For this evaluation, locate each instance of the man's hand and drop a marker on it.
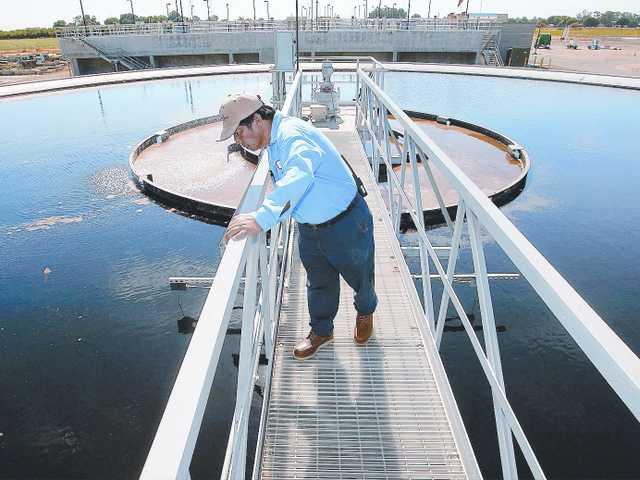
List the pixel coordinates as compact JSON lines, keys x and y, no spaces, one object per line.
{"x":241,"y":226}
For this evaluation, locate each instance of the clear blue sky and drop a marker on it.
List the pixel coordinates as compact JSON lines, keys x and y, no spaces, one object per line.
{"x":42,"y":13}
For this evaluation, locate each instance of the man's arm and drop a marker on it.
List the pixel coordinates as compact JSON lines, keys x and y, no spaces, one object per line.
{"x":298,"y":177}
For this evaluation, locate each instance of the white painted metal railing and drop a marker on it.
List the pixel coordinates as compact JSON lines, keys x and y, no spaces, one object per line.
{"x":615,"y":361}
{"x":322,"y":24}
{"x":265,"y":266}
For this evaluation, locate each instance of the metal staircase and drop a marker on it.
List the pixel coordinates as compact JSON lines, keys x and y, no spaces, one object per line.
{"x":117,"y":57}
{"x":491,"y":50}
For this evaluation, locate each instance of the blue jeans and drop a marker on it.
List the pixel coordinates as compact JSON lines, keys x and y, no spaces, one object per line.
{"x":344,"y":248}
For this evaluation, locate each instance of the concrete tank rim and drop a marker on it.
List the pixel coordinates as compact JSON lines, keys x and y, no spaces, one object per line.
{"x":580,"y":78}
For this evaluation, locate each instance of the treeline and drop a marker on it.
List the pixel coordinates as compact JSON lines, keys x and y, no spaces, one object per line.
{"x":587,"y":19}
{"x":27,"y":33}
{"x":128,"y":19}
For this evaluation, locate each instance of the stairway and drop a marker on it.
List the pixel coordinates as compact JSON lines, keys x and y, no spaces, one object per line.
{"x":116,"y":57}
{"x":491,"y":51}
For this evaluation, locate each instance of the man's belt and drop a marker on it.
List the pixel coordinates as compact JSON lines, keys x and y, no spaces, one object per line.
{"x":337,"y":217}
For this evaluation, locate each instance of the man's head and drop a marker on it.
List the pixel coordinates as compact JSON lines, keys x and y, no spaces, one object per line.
{"x":248,"y":119}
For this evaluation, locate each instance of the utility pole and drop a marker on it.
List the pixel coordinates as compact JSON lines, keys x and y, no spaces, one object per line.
{"x":297,"y":40}
{"x":429,"y":11}
{"x":268,"y":16}
{"x":84,"y":20}
{"x":208,"y":11}
{"x":133,"y":15}
{"x":192,"y":12}
{"x":254,"y":10}
{"x":409,"y":10}
{"x":168,"y":10}
{"x":227,"y":13}
{"x":466,"y":10}
{"x":366,"y":9}
{"x":380,"y":9}
{"x":181,"y":12}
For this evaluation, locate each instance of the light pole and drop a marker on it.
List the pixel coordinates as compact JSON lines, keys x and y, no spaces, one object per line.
{"x":84,"y":19}
{"x":409,"y":10}
{"x":254,"y":10}
{"x":268,"y":16}
{"x":208,"y":11}
{"x":393,"y":12}
{"x":133,"y":15}
{"x":168,"y":4}
{"x":227,"y":13}
{"x":192,"y":12}
{"x":429,"y":11}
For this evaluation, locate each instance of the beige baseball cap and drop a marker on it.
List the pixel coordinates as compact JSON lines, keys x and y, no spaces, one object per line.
{"x":235,"y":109}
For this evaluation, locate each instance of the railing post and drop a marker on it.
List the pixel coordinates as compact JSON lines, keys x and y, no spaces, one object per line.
{"x":505,"y":438}
{"x":427,"y":296}
{"x":245,"y":365}
{"x":451,"y":270}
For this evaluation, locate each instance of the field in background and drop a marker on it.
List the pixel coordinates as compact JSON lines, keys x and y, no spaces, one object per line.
{"x":29,"y":44}
{"x":595,"y":32}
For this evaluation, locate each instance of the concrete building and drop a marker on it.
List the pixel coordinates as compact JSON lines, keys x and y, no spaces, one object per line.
{"x":104,"y":49}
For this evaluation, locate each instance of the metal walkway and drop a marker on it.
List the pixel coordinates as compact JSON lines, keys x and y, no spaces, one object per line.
{"x":383,"y":410}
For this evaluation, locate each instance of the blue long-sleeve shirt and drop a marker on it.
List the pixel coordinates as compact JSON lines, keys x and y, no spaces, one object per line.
{"x":312,"y":182}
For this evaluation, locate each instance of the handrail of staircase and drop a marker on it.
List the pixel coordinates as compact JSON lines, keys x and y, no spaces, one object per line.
{"x":175,"y":440}
{"x":613,"y":359}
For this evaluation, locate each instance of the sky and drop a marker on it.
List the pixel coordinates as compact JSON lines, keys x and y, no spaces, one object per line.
{"x":42,"y":13}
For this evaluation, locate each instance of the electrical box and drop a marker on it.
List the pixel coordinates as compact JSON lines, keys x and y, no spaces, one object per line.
{"x":284,"y":52}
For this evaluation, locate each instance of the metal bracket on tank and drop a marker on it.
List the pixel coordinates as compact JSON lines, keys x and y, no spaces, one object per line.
{"x":162,"y":136}
{"x":515,"y":150}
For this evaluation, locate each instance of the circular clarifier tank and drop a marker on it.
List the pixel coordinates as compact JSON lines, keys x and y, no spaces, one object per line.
{"x":495,"y":163}
{"x":186,"y":168}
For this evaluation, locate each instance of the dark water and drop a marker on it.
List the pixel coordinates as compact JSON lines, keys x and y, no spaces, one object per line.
{"x":90,"y":350}
{"x":88,"y":336}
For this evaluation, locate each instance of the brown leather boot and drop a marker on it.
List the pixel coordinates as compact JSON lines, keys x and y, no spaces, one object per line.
{"x":308,"y":347}
{"x":364,"y":328}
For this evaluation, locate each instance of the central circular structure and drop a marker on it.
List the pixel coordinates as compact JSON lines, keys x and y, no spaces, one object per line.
{"x":184,"y":167}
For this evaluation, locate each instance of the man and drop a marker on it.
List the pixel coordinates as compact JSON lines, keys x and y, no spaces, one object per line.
{"x":315,"y":186}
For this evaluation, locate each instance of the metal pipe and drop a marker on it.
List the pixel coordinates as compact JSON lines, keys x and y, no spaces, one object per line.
{"x":84,"y":19}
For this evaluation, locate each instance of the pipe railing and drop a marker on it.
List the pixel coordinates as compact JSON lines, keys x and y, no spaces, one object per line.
{"x":321,"y":24}
{"x":613,"y":359}
{"x":265,"y":269}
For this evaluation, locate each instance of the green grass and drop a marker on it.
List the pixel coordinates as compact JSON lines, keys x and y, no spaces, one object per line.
{"x":29,"y":44}
{"x":595,"y":32}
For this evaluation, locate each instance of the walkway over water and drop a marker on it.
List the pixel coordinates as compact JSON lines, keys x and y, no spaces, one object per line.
{"x":383,"y":410}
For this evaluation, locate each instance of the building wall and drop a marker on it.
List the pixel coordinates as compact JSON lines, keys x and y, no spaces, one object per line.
{"x":516,"y":35}
{"x":182,"y":49}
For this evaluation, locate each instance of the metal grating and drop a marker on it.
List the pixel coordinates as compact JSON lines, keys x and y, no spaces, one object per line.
{"x":372,"y":411}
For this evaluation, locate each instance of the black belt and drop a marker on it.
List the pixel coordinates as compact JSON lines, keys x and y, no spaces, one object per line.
{"x":337,"y":217}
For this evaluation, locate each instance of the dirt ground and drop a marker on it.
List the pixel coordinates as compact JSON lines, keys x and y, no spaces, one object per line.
{"x":15,"y":79}
{"x":620,"y":56}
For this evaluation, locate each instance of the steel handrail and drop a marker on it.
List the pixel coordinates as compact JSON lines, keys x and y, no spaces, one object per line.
{"x":322,"y":24}
{"x":611,"y":356}
{"x":175,"y":440}
{"x":615,"y":361}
